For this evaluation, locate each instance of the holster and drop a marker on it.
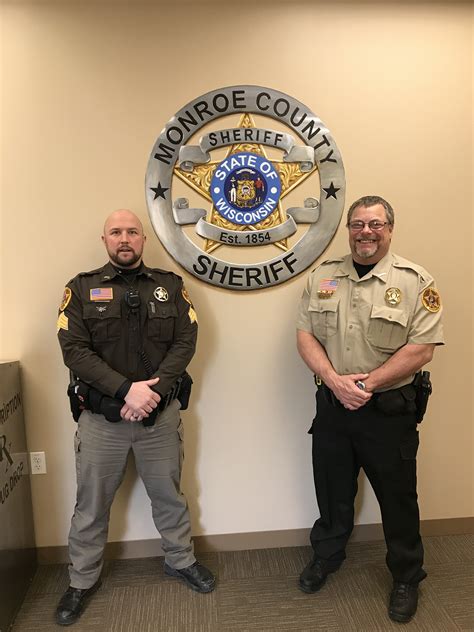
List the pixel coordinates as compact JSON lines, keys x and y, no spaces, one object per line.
{"x":184,"y":393}
{"x":84,"y":397}
{"x":423,"y":389}
{"x":78,"y":393}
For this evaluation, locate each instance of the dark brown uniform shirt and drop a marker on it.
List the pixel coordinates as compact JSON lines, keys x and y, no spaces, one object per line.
{"x":104,"y":342}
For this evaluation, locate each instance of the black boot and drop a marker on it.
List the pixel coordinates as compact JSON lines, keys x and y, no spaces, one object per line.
{"x":72,"y":603}
{"x":403,"y":602}
{"x":196,"y":576}
{"x":315,"y":574}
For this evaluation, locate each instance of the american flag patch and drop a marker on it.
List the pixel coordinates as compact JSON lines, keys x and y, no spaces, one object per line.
{"x":328,"y":285}
{"x":101,"y":294}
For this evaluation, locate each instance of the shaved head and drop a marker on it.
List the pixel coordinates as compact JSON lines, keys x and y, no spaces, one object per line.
{"x":124,"y":238}
{"x":121,"y":214}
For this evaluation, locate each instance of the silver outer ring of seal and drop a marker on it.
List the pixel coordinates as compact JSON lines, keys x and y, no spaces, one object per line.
{"x":264,"y":102}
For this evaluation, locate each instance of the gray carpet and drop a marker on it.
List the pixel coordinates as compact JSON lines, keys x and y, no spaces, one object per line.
{"x":257,"y":591}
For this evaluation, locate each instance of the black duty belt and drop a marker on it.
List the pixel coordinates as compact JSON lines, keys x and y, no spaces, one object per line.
{"x":85,"y":397}
{"x":397,"y":401}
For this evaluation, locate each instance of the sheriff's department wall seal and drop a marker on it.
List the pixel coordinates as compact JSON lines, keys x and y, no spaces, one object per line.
{"x":235,"y":181}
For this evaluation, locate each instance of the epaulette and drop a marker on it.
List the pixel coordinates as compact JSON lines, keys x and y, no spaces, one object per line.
{"x":401,"y":262}
{"x":91,"y":272}
{"x":85,"y":274}
{"x":333,"y":260}
{"x":327,"y":261}
{"x":161,"y":271}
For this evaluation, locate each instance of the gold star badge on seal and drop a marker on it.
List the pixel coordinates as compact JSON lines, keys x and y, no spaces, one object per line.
{"x":200,"y":178}
{"x":393,"y":296}
{"x":431,"y":299}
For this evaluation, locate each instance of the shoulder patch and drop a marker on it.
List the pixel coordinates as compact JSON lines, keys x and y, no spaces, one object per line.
{"x":191,"y":312}
{"x":431,"y":299}
{"x":67,"y":295}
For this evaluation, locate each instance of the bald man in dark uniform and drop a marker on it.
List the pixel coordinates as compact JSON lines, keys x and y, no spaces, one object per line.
{"x":127,"y":332}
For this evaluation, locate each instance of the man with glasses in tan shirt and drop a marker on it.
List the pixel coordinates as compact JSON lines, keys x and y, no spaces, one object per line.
{"x":367,"y":323}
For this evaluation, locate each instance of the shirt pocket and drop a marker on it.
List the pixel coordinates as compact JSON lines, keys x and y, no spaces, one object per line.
{"x":161,"y":321}
{"x":324,"y":317}
{"x":387,"y":329}
{"x":103,"y":321}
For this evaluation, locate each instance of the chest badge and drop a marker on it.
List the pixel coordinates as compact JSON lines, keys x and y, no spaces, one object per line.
{"x":393,"y":296}
{"x":431,"y":299}
{"x":161,"y":294}
{"x":327,"y":287}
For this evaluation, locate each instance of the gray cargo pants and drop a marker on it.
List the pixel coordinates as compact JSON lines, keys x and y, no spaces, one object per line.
{"x":101,"y":456}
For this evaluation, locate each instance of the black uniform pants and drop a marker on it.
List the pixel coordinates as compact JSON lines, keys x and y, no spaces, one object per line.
{"x":385,"y":447}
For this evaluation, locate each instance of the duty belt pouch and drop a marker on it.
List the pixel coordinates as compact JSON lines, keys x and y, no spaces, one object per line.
{"x":102,"y":404}
{"x":180,"y":390}
{"x":110,"y":407}
{"x":78,"y":393}
{"x":84,"y":397}
{"x":398,"y":401}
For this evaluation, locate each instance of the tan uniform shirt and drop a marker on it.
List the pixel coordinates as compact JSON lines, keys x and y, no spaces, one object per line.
{"x":362,"y":322}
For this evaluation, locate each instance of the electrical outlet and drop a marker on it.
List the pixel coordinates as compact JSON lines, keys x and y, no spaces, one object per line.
{"x":38,"y":463}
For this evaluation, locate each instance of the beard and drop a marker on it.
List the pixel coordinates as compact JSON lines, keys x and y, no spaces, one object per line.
{"x":129,"y":262}
{"x":365,"y":252}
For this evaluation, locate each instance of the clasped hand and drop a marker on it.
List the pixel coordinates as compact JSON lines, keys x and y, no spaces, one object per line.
{"x":140,"y":400}
{"x":351,"y":396}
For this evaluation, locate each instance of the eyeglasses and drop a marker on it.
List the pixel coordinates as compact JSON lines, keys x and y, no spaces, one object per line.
{"x":374,"y":224}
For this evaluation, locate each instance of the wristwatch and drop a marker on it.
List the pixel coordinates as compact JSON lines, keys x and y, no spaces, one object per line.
{"x":360,"y":385}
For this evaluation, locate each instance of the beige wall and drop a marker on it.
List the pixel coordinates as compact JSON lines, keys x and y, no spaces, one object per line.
{"x":86,"y":90}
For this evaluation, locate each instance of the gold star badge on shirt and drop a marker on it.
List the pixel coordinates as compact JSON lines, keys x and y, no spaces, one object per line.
{"x":393,"y":296}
